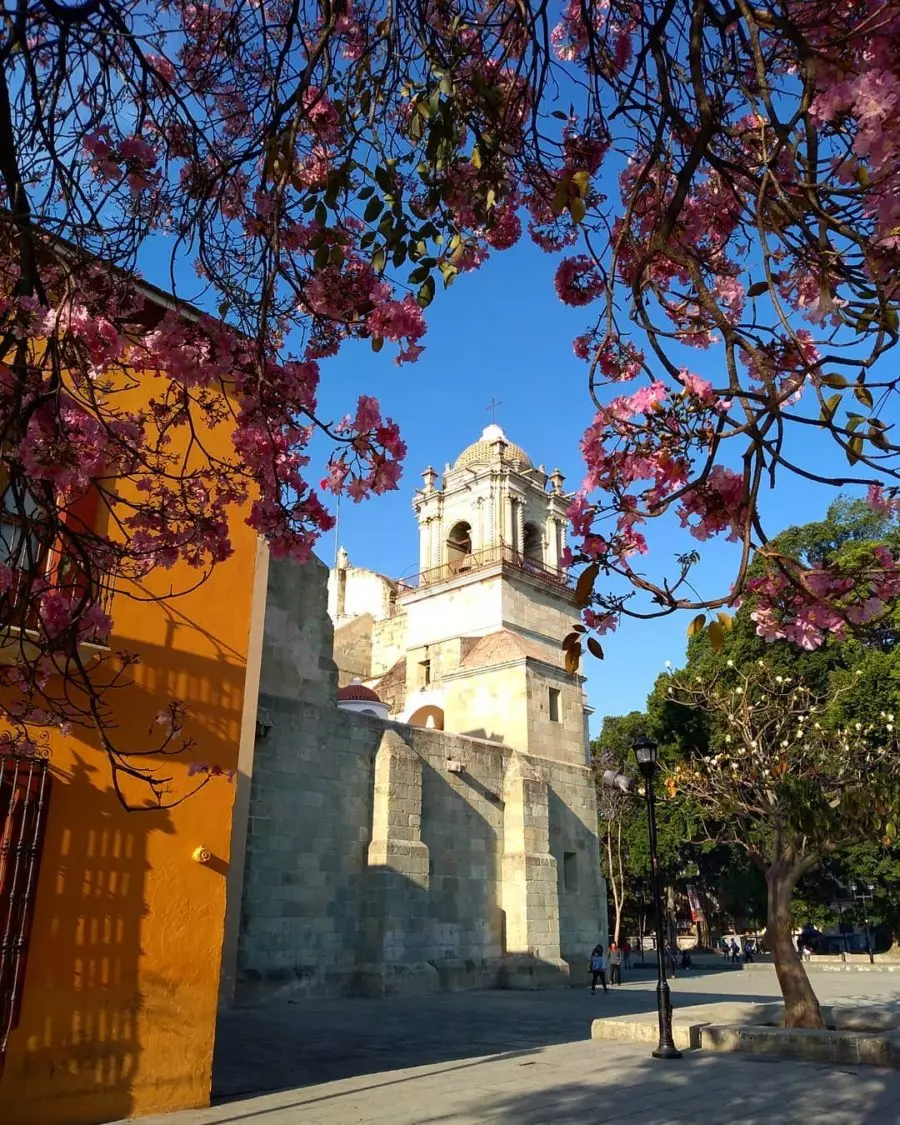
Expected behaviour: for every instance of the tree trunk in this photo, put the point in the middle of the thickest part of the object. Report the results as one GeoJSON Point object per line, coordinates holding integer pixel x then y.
{"type": "Point", "coordinates": [620, 908]}
{"type": "Point", "coordinates": [801, 1008]}
{"type": "Point", "coordinates": [613, 884]}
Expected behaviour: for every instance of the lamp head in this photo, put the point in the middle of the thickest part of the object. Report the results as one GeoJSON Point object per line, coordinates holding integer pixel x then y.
{"type": "Point", "coordinates": [646, 753]}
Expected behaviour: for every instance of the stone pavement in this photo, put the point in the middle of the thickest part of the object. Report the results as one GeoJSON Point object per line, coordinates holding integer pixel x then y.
{"type": "Point", "coordinates": [525, 1057]}
{"type": "Point", "coordinates": [287, 1045]}
{"type": "Point", "coordinates": [580, 1084]}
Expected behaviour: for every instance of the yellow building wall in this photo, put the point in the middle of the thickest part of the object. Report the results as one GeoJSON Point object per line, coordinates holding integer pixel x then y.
{"type": "Point", "coordinates": [119, 1000]}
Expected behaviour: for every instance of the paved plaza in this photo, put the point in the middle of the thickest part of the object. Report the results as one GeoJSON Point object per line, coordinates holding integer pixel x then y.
{"type": "Point", "coordinates": [526, 1058]}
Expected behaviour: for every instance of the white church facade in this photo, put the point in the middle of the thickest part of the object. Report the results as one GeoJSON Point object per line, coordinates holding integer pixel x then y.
{"type": "Point", "coordinates": [418, 810]}
{"type": "Point", "coordinates": [471, 644]}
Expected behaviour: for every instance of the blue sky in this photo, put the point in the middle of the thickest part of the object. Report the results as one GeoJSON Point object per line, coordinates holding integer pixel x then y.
{"type": "Point", "coordinates": [502, 333]}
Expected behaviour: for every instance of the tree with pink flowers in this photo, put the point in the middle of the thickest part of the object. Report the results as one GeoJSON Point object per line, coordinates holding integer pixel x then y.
{"type": "Point", "coordinates": [713, 176]}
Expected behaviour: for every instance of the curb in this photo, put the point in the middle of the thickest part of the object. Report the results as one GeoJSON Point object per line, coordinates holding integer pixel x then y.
{"type": "Point", "coordinates": [845, 1046]}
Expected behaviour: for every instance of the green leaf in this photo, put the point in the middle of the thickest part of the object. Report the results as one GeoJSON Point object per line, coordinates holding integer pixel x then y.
{"type": "Point", "coordinates": [378, 260]}
{"type": "Point", "coordinates": [384, 179]}
{"type": "Point", "coordinates": [758, 288]}
{"type": "Point", "coordinates": [569, 640]}
{"type": "Point", "coordinates": [716, 636]}
{"type": "Point", "coordinates": [864, 396]}
{"type": "Point", "coordinates": [725, 620]}
{"type": "Point", "coordinates": [426, 293]}
{"type": "Point", "coordinates": [595, 648]}
{"type": "Point", "coordinates": [365, 192]}
{"type": "Point", "coordinates": [877, 438]}
{"type": "Point", "coordinates": [696, 625]}
{"type": "Point", "coordinates": [829, 408]}
{"type": "Point", "coordinates": [377, 343]}
{"type": "Point", "coordinates": [320, 260]}
{"type": "Point", "coordinates": [834, 381]}
{"type": "Point", "coordinates": [418, 275]}
{"type": "Point", "coordinates": [855, 448]}
{"type": "Point", "coordinates": [573, 659]}
{"type": "Point", "coordinates": [373, 210]}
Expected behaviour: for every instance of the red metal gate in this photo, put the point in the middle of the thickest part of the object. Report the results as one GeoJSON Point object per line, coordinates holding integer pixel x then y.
{"type": "Point", "coordinates": [24, 793]}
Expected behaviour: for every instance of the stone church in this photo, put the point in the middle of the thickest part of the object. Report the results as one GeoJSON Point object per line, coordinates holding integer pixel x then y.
{"type": "Point", "coordinates": [416, 810]}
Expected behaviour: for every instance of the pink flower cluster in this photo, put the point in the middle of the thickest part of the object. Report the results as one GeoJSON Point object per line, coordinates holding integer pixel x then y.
{"type": "Point", "coordinates": [718, 504]}
{"type": "Point", "coordinates": [578, 281]}
{"type": "Point", "coordinates": [804, 607]}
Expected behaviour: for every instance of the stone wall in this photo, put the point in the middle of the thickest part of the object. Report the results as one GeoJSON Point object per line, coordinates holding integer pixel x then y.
{"type": "Point", "coordinates": [383, 858]}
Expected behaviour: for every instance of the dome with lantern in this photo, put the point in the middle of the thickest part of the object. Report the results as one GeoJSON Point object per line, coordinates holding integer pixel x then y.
{"type": "Point", "coordinates": [355, 696]}
{"type": "Point", "coordinates": [485, 451]}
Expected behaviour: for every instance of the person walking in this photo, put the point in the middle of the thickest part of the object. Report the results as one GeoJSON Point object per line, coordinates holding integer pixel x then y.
{"type": "Point", "coordinates": [735, 952]}
{"type": "Point", "coordinates": [748, 951]}
{"type": "Point", "coordinates": [626, 954]}
{"type": "Point", "coordinates": [615, 964]}
{"type": "Point", "coordinates": [598, 969]}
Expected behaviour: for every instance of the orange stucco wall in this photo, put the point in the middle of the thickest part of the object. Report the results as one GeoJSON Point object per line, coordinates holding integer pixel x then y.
{"type": "Point", "coordinates": [119, 1003]}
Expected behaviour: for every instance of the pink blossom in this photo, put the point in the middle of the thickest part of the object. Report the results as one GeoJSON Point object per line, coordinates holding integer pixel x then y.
{"type": "Point", "coordinates": [600, 622]}
{"type": "Point", "coordinates": [577, 281]}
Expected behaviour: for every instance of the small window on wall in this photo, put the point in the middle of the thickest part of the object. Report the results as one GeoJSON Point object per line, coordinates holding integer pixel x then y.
{"type": "Point", "coordinates": [554, 705]}
{"type": "Point", "coordinates": [570, 871]}
{"type": "Point", "coordinates": [426, 672]}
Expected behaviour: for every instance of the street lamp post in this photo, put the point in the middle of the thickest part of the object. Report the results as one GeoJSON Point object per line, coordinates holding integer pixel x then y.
{"type": "Point", "coordinates": [865, 897]}
{"type": "Point", "coordinates": [645, 750]}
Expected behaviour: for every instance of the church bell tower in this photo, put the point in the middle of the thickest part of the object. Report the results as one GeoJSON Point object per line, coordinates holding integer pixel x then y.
{"type": "Point", "coordinates": [491, 603]}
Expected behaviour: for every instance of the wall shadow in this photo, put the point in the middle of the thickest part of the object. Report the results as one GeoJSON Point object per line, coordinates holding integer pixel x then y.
{"type": "Point", "coordinates": [281, 1046]}
{"type": "Point", "coordinates": [77, 1050]}
{"type": "Point", "coordinates": [462, 826]}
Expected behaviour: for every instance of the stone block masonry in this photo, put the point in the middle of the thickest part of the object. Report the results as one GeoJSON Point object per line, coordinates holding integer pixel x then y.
{"type": "Point", "coordinates": [374, 869]}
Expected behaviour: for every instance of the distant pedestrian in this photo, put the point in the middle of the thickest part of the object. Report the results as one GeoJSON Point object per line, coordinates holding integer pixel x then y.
{"type": "Point", "coordinates": [807, 953]}
{"type": "Point", "coordinates": [626, 955]}
{"type": "Point", "coordinates": [748, 950]}
{"type": "Point", "coordinates": [598, 969]}
{"type": "Point", "coordinates": [725, 950]}
{"type": "Point", "coordinates": [735, 952]}
{"type": "Point", "coordinates": [686, 962]}
{"type": "Point", "coordinates": [615, 964]}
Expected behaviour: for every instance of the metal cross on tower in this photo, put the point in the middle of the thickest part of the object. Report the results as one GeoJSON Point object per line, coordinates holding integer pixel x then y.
{"type": "Point", "coordinates": [492, 406]}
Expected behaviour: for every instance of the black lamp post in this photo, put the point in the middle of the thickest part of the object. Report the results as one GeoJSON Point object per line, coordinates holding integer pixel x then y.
{"type": "Point", "coordinates": [864, 897]}
{"type": "Point", "coordinates": [645, 750]}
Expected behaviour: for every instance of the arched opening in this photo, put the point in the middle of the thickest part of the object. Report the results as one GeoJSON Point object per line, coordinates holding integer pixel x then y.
{"type": "Point", "coordinates": [459, 547]}
{"type": "Point", "coordinates": [534, 548]}
{"type": "Point", "coordinates": [429, 716]}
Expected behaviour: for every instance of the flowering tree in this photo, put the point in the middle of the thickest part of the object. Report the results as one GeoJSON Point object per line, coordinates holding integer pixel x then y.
{"type": "Point", "coordinates": [756, 219]}
{"type": "Point", "coordinates": [788, 788]}
{"type": "Point", "coordinates": [321, 168]}
{"type": "Point", "coordinates": [317, 167]}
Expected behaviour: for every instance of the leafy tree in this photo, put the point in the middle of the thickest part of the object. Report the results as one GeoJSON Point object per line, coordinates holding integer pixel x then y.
{"type": "Point", "coordinates": [616, 809]}
{"type": "Point", "coordinates": [623, 823]}
{"type": "Point", "coordinates": [788, 788]}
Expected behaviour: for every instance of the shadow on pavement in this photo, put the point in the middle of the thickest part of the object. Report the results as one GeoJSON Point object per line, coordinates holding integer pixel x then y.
{"type": "Point", "coordinates": [713, 1089]}
{"type": "Point", "coordinates": [287, 1045]}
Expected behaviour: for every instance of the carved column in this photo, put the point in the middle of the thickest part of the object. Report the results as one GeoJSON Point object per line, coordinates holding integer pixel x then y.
{"type": "Point", "coordinates": [397, 876]}
{"type": "Point", "coordinates": [529, 894]}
